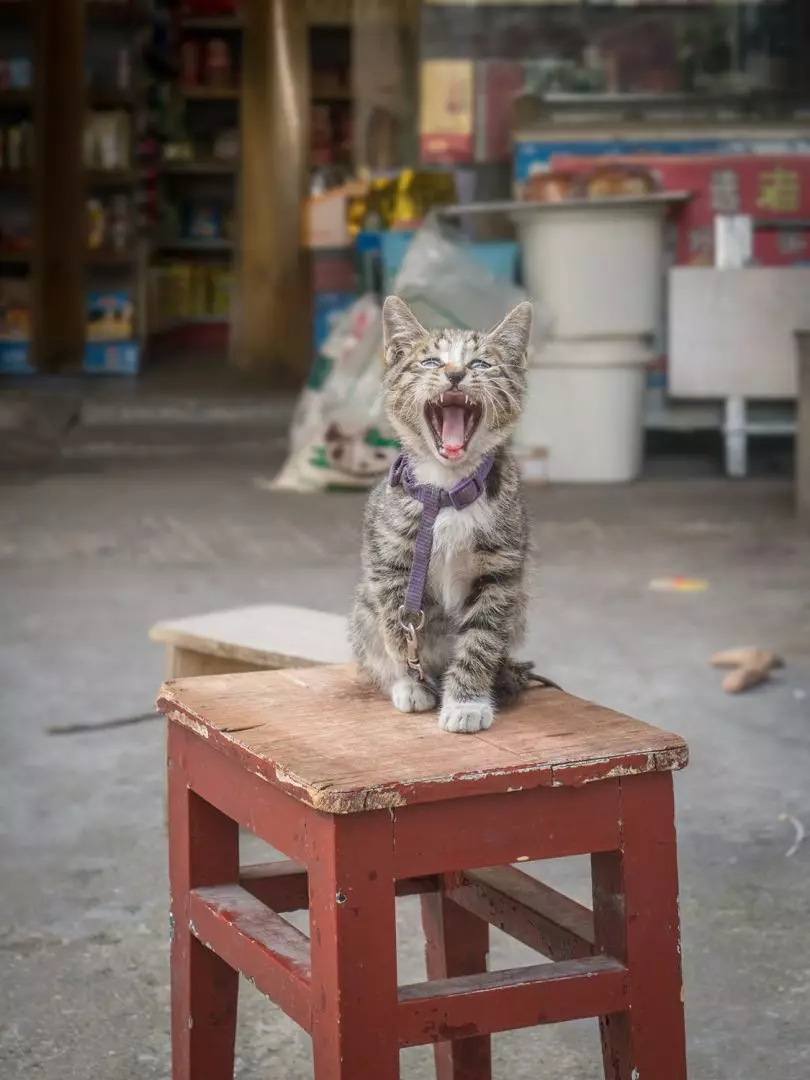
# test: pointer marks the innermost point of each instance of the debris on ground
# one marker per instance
(800, 831)
(678, 584)
(749, 666)
(102, 725)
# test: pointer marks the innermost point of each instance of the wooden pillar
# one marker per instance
(59, 228)
(384, 83)
(271, 316)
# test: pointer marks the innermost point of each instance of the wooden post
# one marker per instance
(384, 83)
(456, 944)
(636, 920)
(271, 316)
(354, 946)
(59, 228)
(203, 850)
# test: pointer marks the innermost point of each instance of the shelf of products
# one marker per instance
(16, 196)
(190, 277)
(211, 93)
(200, 168)
(205, 246)
(116, 118)
(213, 22)
(188, 293)
(129, 12)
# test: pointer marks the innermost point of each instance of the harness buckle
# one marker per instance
(412, 630)
(465, 492)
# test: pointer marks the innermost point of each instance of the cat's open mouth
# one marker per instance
(453, 420)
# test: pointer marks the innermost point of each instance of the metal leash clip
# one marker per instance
(412, 630)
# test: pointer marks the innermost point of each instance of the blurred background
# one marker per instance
(202, 206)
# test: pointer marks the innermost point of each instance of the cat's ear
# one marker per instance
(401, 330)
(511, 336)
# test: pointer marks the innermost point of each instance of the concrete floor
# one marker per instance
(89, 559)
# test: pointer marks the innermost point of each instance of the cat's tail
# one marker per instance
(514, 677)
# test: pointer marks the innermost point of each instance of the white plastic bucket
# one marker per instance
(585, 408)
(596, 267)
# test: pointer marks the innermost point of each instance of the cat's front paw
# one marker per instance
(408, 695)
(466, 717)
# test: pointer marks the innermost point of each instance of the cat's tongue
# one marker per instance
(453, 418)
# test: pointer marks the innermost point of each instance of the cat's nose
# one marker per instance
(455, 377)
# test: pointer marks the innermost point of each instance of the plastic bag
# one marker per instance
(444, 286)
(339, 436)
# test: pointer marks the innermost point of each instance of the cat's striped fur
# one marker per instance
(475, 599)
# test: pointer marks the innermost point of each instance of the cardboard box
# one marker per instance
(110, 315)
(15, 358)
(112, 358)
(446, 111)
(326, 222)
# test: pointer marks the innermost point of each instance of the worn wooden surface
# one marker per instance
(510, 827)
(332, 741)
(203, 850)
(527, 910)
(636, 918)
(261, 636)
(456, 944)
(352, 914)
(283, 885)
(511, 999)
(621, 963)
(257, 943)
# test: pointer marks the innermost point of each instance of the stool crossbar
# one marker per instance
(367, 805)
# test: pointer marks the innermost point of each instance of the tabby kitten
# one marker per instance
(453, 398)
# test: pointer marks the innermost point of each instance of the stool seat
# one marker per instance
(368, 804)
(329, 739)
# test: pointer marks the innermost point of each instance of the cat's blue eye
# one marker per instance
(431, 361)
(479, 365)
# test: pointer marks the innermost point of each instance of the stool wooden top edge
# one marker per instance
(331, 762)
(266, 635)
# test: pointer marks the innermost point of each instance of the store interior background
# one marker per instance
(157, 158)
(161, 306)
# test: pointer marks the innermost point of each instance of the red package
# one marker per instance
(773, 187)
(218, 63)
(190, 63)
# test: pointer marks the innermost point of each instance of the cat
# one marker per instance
(453, 397)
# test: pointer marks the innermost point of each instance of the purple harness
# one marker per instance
(433, 499)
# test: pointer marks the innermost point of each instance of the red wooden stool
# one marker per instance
(371, 805)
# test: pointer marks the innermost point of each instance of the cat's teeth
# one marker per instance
(466, 399)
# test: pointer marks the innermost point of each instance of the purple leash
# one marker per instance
(433, 499)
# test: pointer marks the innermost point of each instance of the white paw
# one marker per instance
(466, 717)
(408, 695)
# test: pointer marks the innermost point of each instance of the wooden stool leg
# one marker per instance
(354, 946)
(203, 850)
(636, 919)
(456, 943)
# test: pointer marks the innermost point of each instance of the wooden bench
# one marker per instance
(368, 804)
(253, 638)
